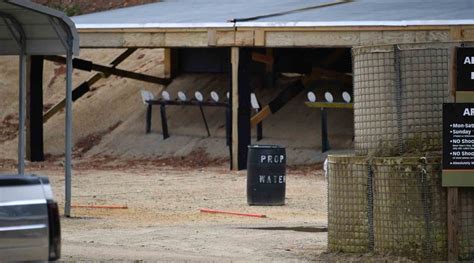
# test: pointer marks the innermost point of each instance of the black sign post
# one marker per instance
(458, 144)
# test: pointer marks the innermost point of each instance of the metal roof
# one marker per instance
(218, 13)
(42, 29)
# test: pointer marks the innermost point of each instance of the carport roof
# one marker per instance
(220, 13)
(43, 30)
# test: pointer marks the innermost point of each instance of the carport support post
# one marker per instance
(67, 207)
(240, 59)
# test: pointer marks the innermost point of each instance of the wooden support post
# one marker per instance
(453, 209)
(269, 80)
(324, 131)
(235, 107)
(34, 124)
(170, 63)
(244, 107)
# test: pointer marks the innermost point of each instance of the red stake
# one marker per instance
(205, 210)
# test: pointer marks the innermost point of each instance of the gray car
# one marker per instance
(29, 219)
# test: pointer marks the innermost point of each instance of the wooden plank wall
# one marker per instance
(272, 37)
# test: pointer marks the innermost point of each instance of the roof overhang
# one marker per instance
(283, 23)
(37, 29)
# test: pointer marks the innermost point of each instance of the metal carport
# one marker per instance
(28, 29)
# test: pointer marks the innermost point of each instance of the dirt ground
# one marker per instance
(163, 221)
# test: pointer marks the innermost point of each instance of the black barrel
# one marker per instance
(266, 175)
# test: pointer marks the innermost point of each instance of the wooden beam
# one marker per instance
(324, 74)
(350, 38)
(334, 57)
(277, 103)
(316, 74)
(91, 81)
(110, 70)
(169, 63)
(453, 220)
(269, 66)
(260, 116)
(269, 78)
(276, 28)
(259, 38)
(330, 36)
(456, 33)
(212, 37)
(330, 105)
(235, 107)
(262, 58)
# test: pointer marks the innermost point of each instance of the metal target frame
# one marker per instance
(328, 103)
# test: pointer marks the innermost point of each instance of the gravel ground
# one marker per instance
(163, 221)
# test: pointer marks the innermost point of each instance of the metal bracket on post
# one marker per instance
(164, 121)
